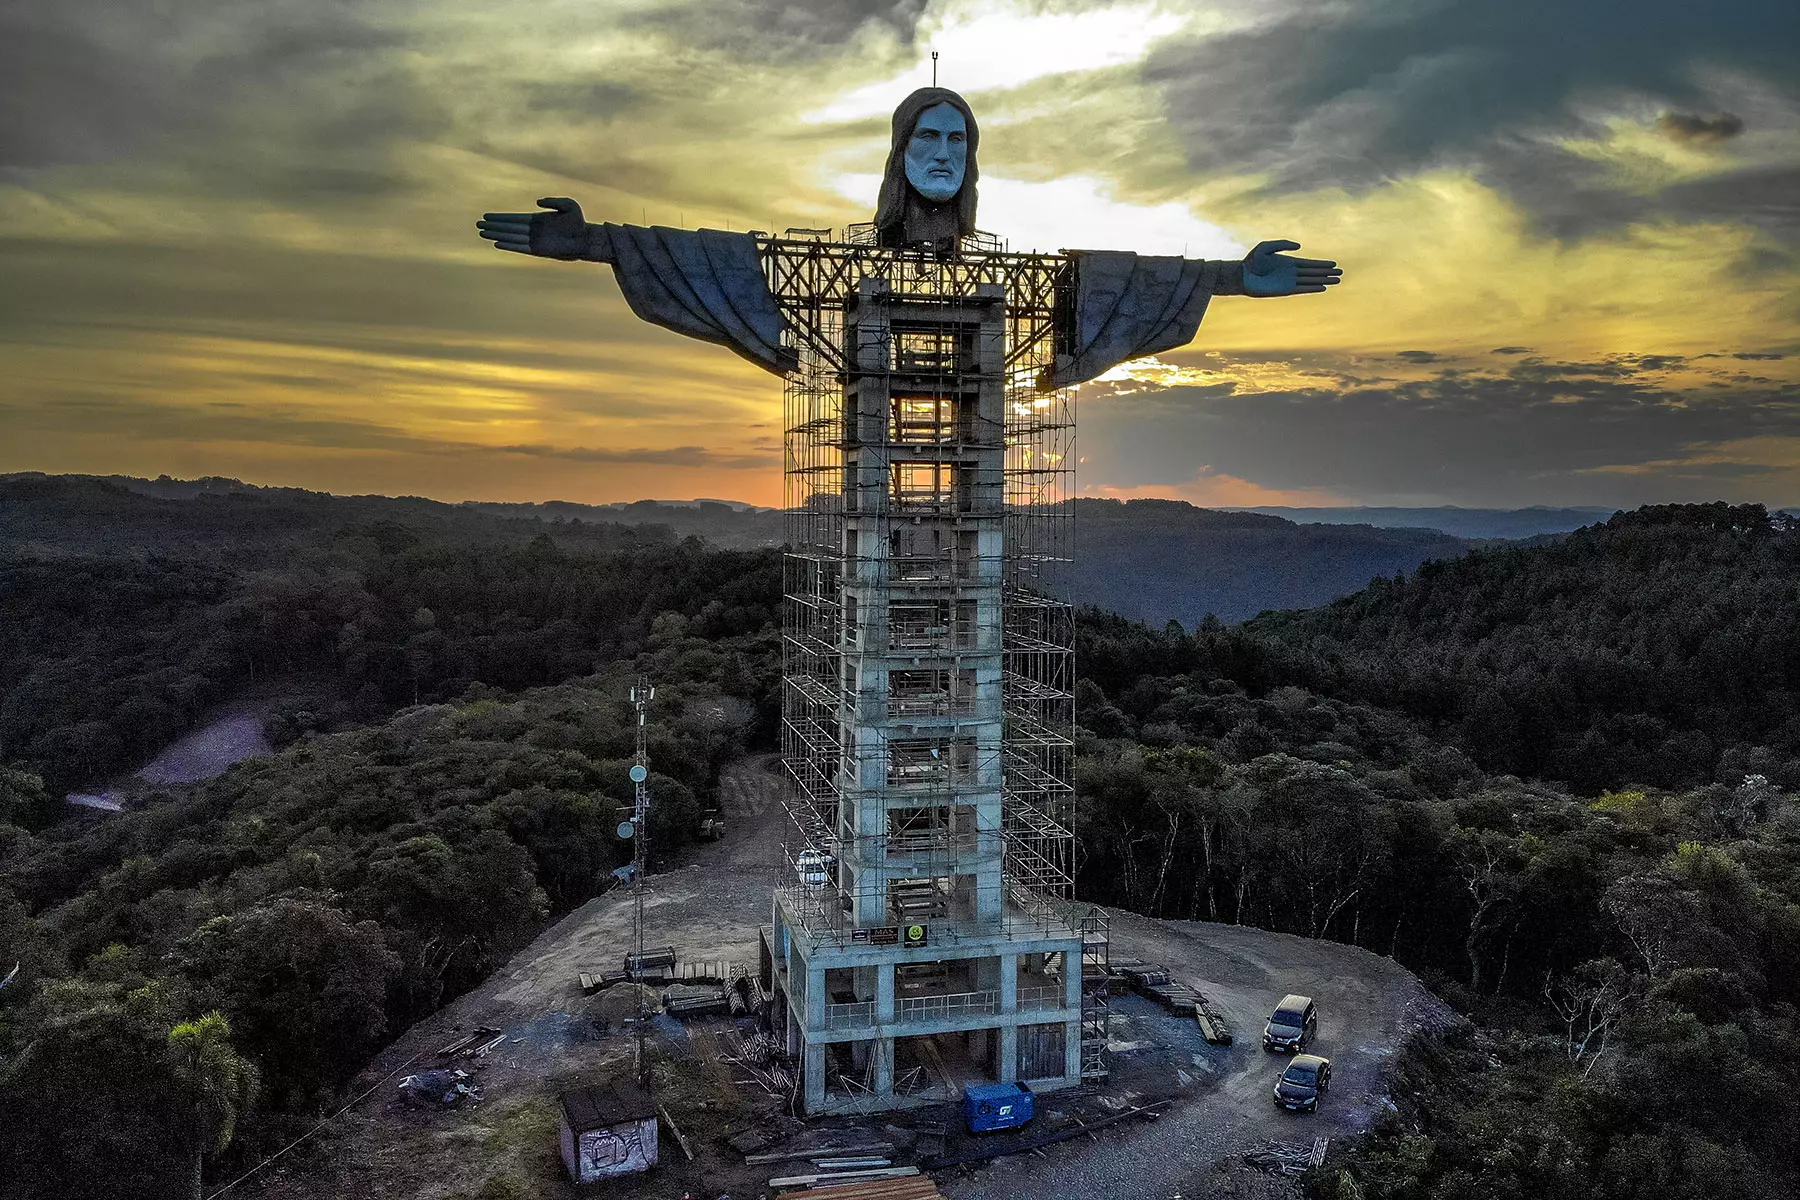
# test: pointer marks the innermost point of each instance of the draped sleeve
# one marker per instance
(1128, 305)
(705, 283)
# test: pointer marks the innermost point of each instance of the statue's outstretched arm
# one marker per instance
(1267, 272)
(562, 232)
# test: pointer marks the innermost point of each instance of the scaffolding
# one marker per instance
(927, 640)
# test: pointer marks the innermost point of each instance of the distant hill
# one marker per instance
(1151, 560)
(1462, 522)
(1161, 560)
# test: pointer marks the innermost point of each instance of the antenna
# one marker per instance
(642, 694)
(934, 68)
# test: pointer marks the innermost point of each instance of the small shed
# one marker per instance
(608, 1130)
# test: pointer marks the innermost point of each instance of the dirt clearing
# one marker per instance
(710, 909)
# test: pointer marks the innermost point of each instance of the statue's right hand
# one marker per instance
(560, 233)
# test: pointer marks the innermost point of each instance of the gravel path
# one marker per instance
(1368, 1006)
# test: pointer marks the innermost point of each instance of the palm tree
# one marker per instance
(217, 1084)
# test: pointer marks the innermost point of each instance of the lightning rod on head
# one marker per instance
(934, 68)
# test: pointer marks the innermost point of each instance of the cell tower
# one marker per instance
(641, 696)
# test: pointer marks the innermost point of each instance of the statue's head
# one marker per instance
(931, 162)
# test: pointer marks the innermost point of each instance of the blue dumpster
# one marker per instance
(997, 1106)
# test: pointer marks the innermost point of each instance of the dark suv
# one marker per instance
(1294, 1023)
(1301, 1085)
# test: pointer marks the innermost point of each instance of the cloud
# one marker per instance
(1624, 429)
(1360, 93)
(1692, 127)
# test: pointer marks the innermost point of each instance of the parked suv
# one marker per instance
(1294, 1023)
(1300, 1086)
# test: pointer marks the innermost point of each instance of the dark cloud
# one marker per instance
(1692, 127)
(1771, 357)
(1417, 356)
(251, 100)
(1556, 432)
(1356, 95)
(1510, 350)
(778, 30)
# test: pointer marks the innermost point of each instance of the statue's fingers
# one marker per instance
(1304, 263)
(1273, 247)
(507, 216)
(521, 226)
(559, 203)
(1304, 289)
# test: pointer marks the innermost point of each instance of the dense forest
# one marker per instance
(1554, 781)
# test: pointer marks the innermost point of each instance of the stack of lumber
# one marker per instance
(1178, 998)
(1141, 975)
(710, 970)
(1214, 1026)
(688, 999)
(914, 1187)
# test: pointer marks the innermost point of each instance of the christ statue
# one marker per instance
(928, 712)
(714, 285)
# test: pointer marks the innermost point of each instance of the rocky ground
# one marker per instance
(709, 908)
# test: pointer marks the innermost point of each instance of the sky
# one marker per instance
(236, 236)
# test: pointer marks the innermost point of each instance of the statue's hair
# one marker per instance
(890, 211)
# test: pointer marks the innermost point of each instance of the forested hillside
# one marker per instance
(1557, 782)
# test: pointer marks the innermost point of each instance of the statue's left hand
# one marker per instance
(560, 233)
(1270, 273)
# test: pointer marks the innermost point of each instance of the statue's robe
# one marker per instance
(710, 285)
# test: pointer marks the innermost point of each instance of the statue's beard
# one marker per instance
(935, 189)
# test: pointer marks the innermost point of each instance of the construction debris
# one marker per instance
(818, 1153)
(912, 1187)
(478, 1043)
(824, 1177)
(448, 1088)
(680, 1138)
(1147, 1111)
(1288, 1158)
(687, 1000)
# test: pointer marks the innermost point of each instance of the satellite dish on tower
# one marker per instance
(627, 829)
(638, 773)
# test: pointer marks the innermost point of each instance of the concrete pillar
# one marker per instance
(884, 1067)
(1072, 978)
(1008, 1066)
(815, 997)
(1009, 983)
(796, 1036)
(1072, 1051)
(815, 1077)
(884, 998)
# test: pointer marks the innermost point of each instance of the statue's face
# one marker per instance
(938, 153)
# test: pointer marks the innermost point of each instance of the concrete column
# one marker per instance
(1072, 978)
(884, 1000)
(1072, 1051)
(1008, 1066)
(884, 1067)
(815, 1077)
(1009, 983)
(815, 997)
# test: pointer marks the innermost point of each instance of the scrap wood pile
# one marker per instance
(755, 1060)
(914, 1187)
(473, 1045)
(1287, 1158)
(1153, 980)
